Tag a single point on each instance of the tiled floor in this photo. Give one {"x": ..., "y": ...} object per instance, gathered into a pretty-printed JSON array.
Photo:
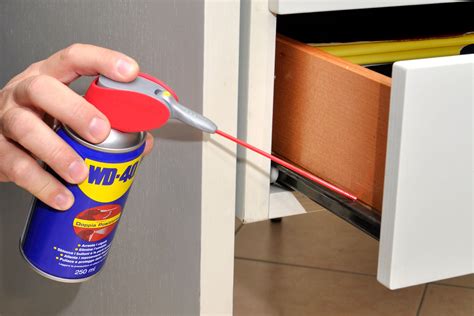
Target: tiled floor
[{"x": 316, "y": 264}]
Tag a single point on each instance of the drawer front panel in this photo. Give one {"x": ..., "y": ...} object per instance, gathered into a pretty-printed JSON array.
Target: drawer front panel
[
  {"x": 302, "y": 6},
  {"x": 428, "y": 216}
]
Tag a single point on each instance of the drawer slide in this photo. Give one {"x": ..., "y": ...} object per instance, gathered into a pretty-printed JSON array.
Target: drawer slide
[{"x": 361, "y": 216}]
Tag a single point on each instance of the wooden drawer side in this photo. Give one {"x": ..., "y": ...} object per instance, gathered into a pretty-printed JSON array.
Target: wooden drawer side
[{"x": 331, "y": 118}]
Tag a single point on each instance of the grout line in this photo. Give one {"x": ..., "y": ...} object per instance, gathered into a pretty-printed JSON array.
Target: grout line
[
  {"x": 238, "y": 229},
  {"x": 422, "y": 300},
  {"x": 304, "y": 266},
  {"x": 454, "y": 285}
]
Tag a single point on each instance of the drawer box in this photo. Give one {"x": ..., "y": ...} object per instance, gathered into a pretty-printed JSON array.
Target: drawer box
[
  {"x": 407, "y": 151},
  {"x": 331, "y": 117}
]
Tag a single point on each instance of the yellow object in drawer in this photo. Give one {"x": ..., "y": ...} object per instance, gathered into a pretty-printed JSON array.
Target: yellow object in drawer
[{"x": 391, "y": 51}]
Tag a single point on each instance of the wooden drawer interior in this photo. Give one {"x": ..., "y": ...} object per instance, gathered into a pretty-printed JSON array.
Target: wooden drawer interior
[{"x": 330, "y": 115}]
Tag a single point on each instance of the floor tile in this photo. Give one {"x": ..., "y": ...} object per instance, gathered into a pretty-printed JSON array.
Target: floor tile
[
  {"x": 318, "y": 239},
  {"x": 275, "y": 289},
  {"x": 441, "y": 300},
  {"x": 466, "y": 280}
]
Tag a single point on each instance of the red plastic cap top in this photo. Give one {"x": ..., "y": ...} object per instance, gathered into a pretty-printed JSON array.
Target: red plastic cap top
[{"x": 130, "y": 111}]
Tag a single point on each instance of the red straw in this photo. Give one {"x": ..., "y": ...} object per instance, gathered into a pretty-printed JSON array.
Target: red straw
[{"x": 289, "y": 166}]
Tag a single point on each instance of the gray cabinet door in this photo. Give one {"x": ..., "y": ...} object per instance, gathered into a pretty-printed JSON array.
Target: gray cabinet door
[{"x": 154, "y": 264}]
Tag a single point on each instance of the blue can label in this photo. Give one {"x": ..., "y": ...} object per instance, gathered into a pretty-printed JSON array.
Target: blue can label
[{"x": 74, "y": 244}]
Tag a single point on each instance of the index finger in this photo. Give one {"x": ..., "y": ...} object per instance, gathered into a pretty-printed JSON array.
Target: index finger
[
  {"x": 82, "y": 59},
  {"x": 59, "y": 101}
]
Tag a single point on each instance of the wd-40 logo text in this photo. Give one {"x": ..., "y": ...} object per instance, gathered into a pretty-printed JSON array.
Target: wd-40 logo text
[{"x": 107, "y": 182}]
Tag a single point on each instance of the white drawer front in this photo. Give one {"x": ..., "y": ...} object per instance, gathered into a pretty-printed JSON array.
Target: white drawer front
[
  {"x": 304, "y": 6},
  {"x": 427, "y": 221}
]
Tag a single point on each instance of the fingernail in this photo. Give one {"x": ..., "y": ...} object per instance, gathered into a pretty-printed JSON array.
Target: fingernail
[
  {"x": 64, "y": 201},
  {"x": 125, "y": 68},
  {"x": 77, "y": 171},
  {"x": 98, "y": 128}
]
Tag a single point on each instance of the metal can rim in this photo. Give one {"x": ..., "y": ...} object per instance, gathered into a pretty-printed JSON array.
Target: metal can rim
[{"x": 97, "y": 147}]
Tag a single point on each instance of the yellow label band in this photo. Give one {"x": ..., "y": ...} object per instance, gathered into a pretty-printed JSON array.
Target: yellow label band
[
  {"x": 84, "y": 223},
  {"x": 108, "y": 182}
]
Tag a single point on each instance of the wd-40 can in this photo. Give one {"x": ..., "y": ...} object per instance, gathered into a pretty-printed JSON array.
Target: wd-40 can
[{"x": 72, "y": 245}]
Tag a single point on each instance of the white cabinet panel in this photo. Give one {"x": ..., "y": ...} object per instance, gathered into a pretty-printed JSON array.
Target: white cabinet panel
[
  {"x": 427, "y": 215},
  {"x": 304, "y": 6},
  {"x": 256, "y": 73}
]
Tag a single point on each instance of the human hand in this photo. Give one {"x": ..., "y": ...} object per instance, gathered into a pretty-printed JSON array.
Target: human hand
[{"x": 42, "y": 89}]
